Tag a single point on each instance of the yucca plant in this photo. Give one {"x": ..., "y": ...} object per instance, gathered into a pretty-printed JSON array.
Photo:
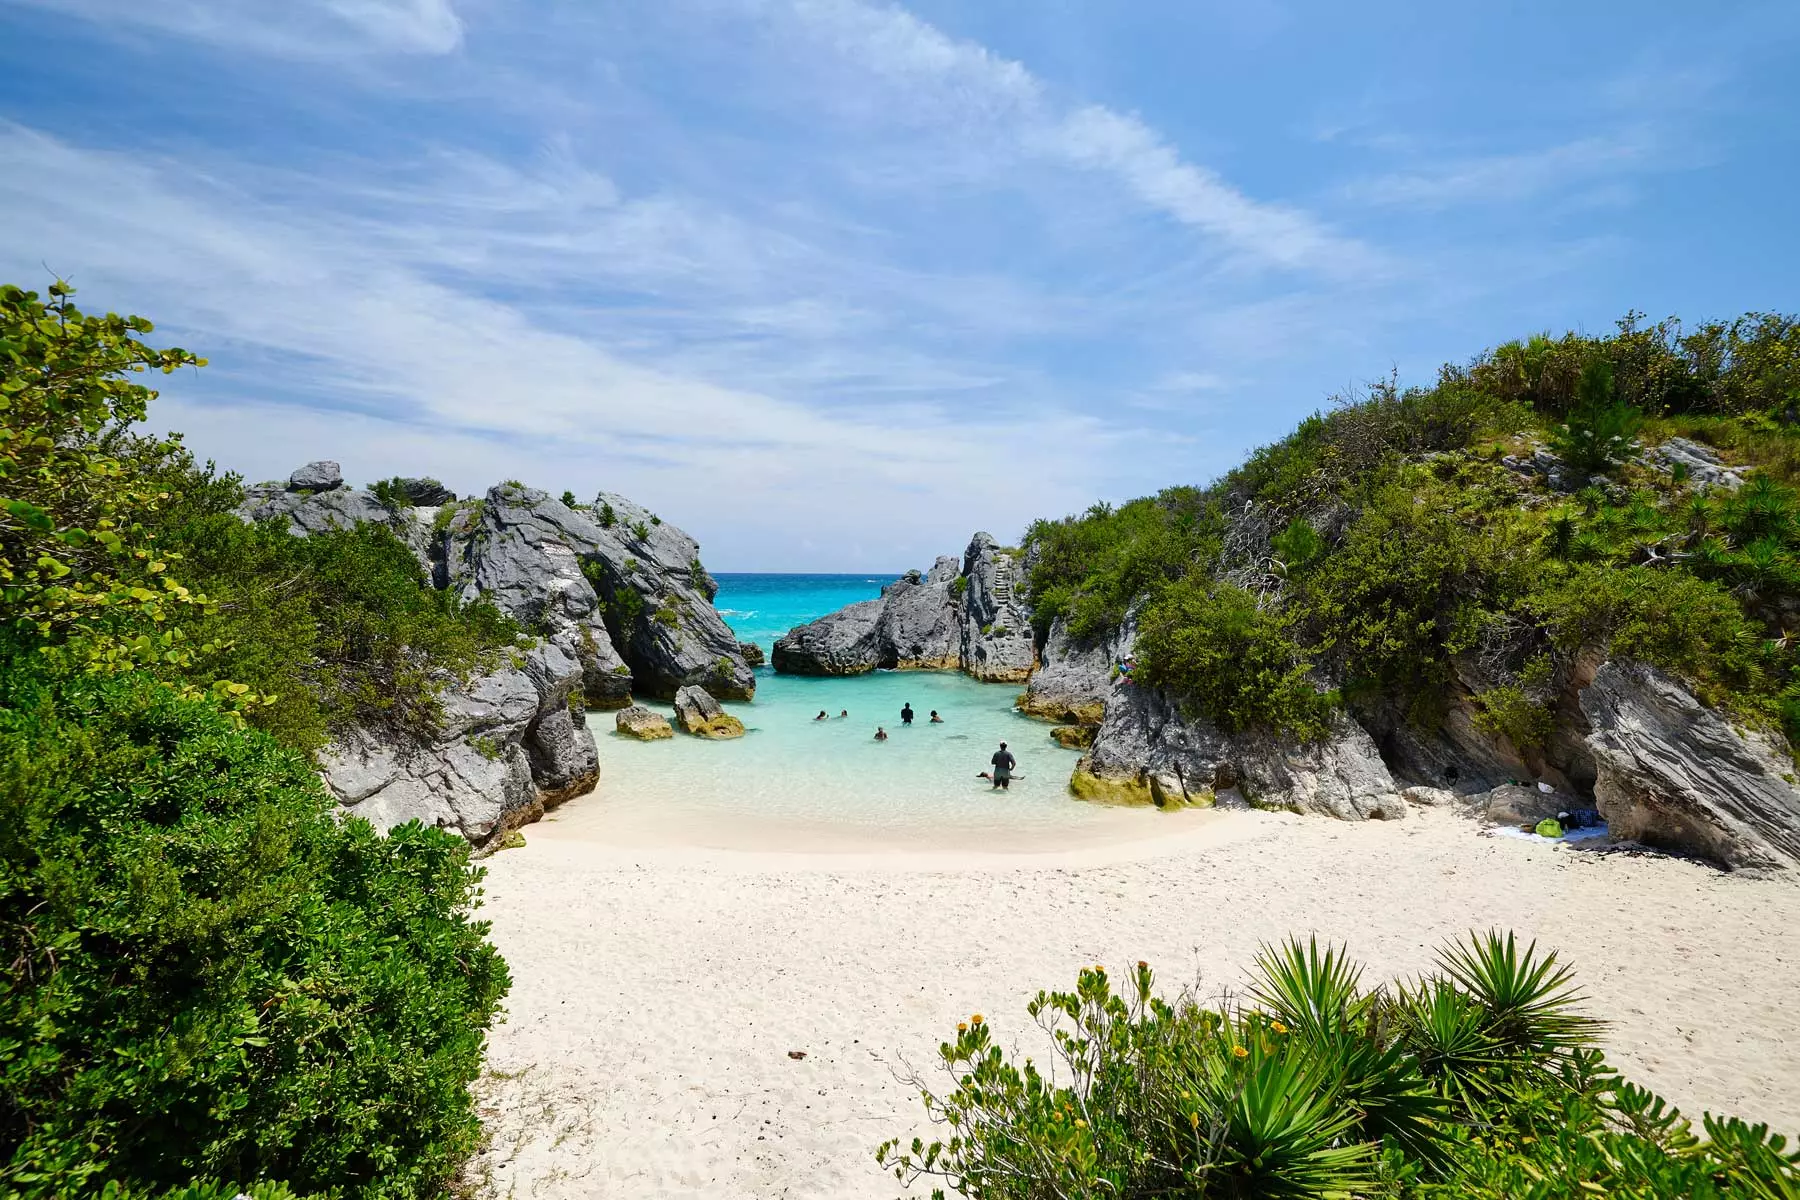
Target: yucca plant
[
  {"x": 1477, "y": 1082},
  {"x": 1529, "y": 1001}
]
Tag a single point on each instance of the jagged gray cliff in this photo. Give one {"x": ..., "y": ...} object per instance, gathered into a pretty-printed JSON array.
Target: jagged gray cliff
[
  {"x": 1662, "y": 768},
  {"x": 966, "y": 614},
  {"x": 617, "y": 597}
]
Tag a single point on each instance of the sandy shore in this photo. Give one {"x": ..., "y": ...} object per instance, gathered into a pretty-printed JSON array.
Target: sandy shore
[{"x": 658, "y": 990}]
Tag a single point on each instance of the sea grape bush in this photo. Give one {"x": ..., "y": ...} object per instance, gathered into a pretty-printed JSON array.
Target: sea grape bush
[
  {"x": 213, "y": 976},
  {"x": 213, "y": 984},
  {"x": 1479, "y": 1080}
]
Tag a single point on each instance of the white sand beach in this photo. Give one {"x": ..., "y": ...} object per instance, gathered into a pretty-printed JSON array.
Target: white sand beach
[{"x": 661, "y": 978}]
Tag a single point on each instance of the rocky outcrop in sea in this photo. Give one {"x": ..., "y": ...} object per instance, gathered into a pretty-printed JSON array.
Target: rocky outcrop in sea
[
  {"x": 617, "y": 597},
  {"x": 967, "y": 614}
]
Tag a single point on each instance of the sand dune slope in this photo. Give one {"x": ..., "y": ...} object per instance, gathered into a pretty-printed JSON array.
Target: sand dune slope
[{"x": 657, "y": 994}]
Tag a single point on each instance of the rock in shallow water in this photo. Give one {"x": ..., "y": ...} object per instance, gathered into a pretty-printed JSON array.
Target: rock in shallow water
[
  {"x": 701, "y": 715},
  {"x": 645, "y": 724}
]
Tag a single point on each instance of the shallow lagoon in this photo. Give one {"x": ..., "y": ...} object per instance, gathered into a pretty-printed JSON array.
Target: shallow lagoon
[{"x": 791, "y": 777}]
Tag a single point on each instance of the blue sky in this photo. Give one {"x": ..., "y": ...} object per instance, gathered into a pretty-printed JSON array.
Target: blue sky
[{"x": 832, "y": 283}]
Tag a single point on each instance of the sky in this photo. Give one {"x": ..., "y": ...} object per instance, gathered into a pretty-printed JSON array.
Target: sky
[{"x": 833, "y": 283}]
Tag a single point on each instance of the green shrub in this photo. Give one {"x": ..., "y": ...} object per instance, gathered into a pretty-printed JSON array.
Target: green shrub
[
  {"x": 213, "y": 976},
  {"x": 1683, "y": 624},
  {"x": 339, "y": 627},
  {"x": 608, "y": 518},
  {"x": 959, "y": 587},
  {"x": 1225, "y": 658},
  {"x": 568, "y": 499},
  {"x": 1477, "y": 1081},
  {"x": 640, "y": 531}
]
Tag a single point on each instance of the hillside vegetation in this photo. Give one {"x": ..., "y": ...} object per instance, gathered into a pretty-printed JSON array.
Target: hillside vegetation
[
  {"x": 211, "y": 978},
  {"x": 1353, "y": 561}
]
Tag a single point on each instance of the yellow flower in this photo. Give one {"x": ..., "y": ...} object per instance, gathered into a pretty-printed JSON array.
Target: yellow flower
[
  {"x": 1142, "y": 965},
  {"x": 1080, "y": 1124},
  {"x": 1194, "y": 1119},
  {"x": 1278, "y": 1027},
  {"x": 975, "y": 1020},
  {"x": 962, "y": 1027},
  {"x": 1240, "y": 1052}
]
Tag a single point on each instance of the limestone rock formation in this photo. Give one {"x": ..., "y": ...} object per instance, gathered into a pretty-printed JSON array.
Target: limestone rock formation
[
  {"x": 1520, "y": 805},
  {"x": 424, "y": 493},
  {"x": 997, "y": 639},
  {"x": 320, "y": 476},
  {"x": 1703, "y": 467},
  {"x": 845, "y": 642},
  {"x": 508, "y": 748},
  {"x": 523, "y": 550},
  {"x": 1148, "y": 752},
  {"x": 644, "y": 724},
  {"x": 701, "y": 715},
  {"x": 1675, "y": 774},
  {"x": 964, "y": 614},
  {"x": 752, "y": 654},
  {"x": 618, "y": 599},
  {"x": 1073, "y": 679}
]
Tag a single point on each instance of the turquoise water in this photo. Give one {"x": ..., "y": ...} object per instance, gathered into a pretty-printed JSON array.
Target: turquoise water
[{"x": 792, "y": 771}]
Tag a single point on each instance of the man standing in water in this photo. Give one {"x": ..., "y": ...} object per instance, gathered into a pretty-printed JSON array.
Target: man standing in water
[
  {"x": 1003, "y": 767},
  {"x": 906, "y": 714}
]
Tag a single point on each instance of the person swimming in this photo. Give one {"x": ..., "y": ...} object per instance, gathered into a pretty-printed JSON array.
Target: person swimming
[
  {"x": 880, "y": 734},
  {"x": 844, "y": 713},
  {"x": 935, "y": 719},
  {"x": 821, "y": 716},
  {"x": 906, "y": 714}
]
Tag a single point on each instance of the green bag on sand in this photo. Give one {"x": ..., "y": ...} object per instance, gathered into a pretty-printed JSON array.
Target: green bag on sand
[{"x": 1549, "y": 827}]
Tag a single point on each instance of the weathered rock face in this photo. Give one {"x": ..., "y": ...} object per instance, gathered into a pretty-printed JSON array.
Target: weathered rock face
[
  {"x": 658, "y": 603},
  {"x": 963, "y": 614},
  {"x": 1148, "y": 752},
  {"x": 752, "y": 654},
  {"x": 701, "y": 715},
  {"x": 918, "y": 627},
  {"x": 997, "y": 641},
  {"x": 320, "y": 476},
  {"x": 424, "y": 493},
  {"x": 1522, "y": 805},
  {"x": 1675, "y": 774},
  {"x": 507, "y": 749},
  {"x": 523, "y": 550},
  {"x": 617, "y": 598},
  {"x": 1073, "y": 680},
  {"x": 645, "y": 724},
  {"x": 315, "y": 512},
  {"x": 845, "y": 642}
]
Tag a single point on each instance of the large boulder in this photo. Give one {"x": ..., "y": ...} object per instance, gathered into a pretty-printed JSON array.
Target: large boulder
[
  {"x": 1676, "y": 774},
  {"x": 506, "y": 749},
  {"x": 426, "y": 492},
  {"x": 315, "y": 512},
  {"x": 321, "y": 476},
  {"x": 1148, "y": 752},
  {"x": 701, "y": 715},
  {"x": 846, "y": 642},
  {"x": 644, "y": 724},
  {"x": 918, "y": 627}
]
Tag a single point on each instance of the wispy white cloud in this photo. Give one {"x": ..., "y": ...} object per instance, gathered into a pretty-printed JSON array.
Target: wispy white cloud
[
  {"x": 963, "y": 87},
  {"x": 326, "y": 343},
  {"x": 289, "y": 28},
  {"x": 1509, "y": 178}
]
